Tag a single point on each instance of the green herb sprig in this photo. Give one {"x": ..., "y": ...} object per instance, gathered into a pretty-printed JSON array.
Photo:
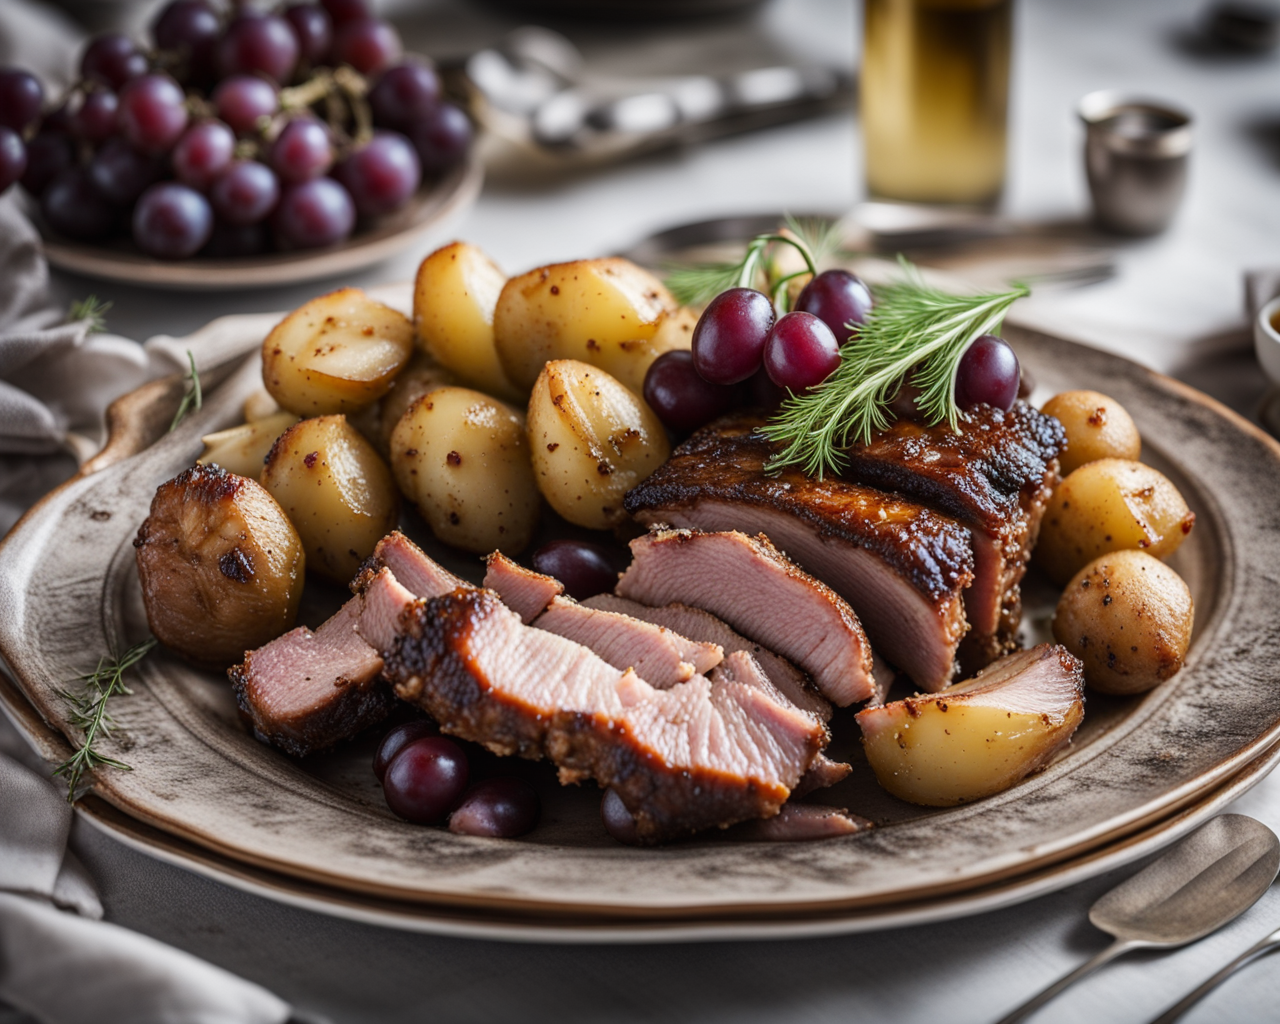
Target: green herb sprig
[
  {"x": 192, "y": 395},
  {"x": 91, "y": 309},
  {"x": 87, "y": 711}
]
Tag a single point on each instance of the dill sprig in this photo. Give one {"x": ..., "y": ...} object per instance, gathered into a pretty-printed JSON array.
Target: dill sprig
[
  {"x": 91, "y": 309},
  {"x": 192, "y": 396},
  {"x": 87, "y": 711},
  {"x": 914, "y": 331}
]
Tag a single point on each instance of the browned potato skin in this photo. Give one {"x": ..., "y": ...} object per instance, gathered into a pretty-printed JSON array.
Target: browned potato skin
[
  {"x": 221, "y": 566},
  {"x": 1097, "y": 428},
  {"x": 1128, "y": 617}
]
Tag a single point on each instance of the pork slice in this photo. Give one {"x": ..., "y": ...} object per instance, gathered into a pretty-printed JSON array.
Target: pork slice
[
  {"x": 759, "y": 591},
  {"x": 412, "y": 566},
  {"x": 797, "y": 823},
  {"x": 525, "y": 592},
  {"x": 702, "y": 625},
  {"x": 682, "y": 759}
]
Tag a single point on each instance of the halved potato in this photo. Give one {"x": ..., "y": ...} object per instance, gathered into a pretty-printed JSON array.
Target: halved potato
[
  {"x": 243, "y": 450},
  {"x": 337, "y": 354},
  {"x": 453, "y": 301},
  {"x": 605, "y": 312},
  {"x": 592, "y": 440}
]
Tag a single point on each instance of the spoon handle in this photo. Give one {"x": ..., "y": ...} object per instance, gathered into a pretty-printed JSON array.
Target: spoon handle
[
  {"x": 1269, "y": 943},
  {"x": 1088, "y": 967}
]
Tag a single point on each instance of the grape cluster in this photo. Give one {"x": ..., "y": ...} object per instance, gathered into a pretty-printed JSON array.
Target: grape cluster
[{"x": 234, "y": 135}]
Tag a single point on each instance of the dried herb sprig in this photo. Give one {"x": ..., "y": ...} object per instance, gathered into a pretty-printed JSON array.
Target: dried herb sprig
[
  {"x": 87, "y": 711},
  {"x": 192, "y": 396}
]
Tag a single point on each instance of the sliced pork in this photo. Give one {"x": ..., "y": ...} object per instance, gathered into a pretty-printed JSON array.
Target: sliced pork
[
  {"x": 525, "y": 592},
  {"x": 903, "y": 567},
  {"x": 798, "y": 823}
]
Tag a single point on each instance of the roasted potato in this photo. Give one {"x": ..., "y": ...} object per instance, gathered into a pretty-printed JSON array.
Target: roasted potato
[
  {"x": 242, "y": 450},
  {"x": 336, "y": 490},
  {"x": 260, "y": 405},
  {"x": 1110, "y": 505},
  {"x": 463, "y": 459},
  {"x": 337, "y": 354},
  {"x": 221, "y": 566},
  {"x": 1097, "y": 428},
  {"x": 592, "y": 441},
  {"x": 420, "y": 376},
  {"x": 453, "y": 301},
  {"x": 1128, "y": 617},
  {"x": 605, "y": 312}
]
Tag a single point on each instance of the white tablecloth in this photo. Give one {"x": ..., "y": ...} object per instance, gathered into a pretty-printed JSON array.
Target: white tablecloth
[{"x": 1176, "y": 304}]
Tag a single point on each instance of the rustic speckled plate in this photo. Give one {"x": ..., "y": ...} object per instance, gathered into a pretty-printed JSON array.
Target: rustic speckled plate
[{"x": 203, "y": 792}]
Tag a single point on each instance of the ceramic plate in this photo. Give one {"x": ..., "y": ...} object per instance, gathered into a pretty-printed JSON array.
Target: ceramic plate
[{"x": 68, "y": 592}]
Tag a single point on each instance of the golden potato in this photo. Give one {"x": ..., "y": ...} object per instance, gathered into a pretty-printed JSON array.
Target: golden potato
[
  {"x": 453, "y": 301},
  {"x": 220, "y": 564},
  {"x": 336, "y": 490},
  {"x": 337, "y": 354},
  {"x": 592, "y": 441},
  {"x": 242, "y": 450},
  {"x": 259, "y": 405},
  {"x": 605, "y": 312},
  {"x": 1110, "y": 505},
  {"x": 1097, "y": 428},
  {"x": 420, "y": 376},
  {"x": 1128, "y": 617},
  {"x": 463, "y": 459}
]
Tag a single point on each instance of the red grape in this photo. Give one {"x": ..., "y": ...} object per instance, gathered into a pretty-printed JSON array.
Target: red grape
[
  {"x": 242, "y": 101},
  {"x": 905, "y": 404},
  {"x": 618, "y": 821},
  {"x": 121, "y": 173},
  {"x": 800, "y": 352},
  {"x": 261, "y": 43},
  {"x": 73, "y": 207},
  {"x": 368, "y": 45},
  {"x": 988, "y": 372},
  {"x": 425, "y": 780},
  {"x": 172, "y": 221},
  {"x": 728, "y": 341},
  {"x": 13, "y": 157},
  {"x": 381, "y": 175},
  {"x": 762, "y": 393},
  {"x": 203, "y": 153},
  {"x": 583, "y": 567},
  {"x": 342, "y": 11},
  {"x": 113, "y": 59},
  {"x": 683, "y": 400},
  {"x": 500, "y": 808},
  {"x": 441, "y": 137},
  {"x": 95, "y": 119},
  {"x": 314, "y": 29},
  {"x": 232, "y": 241},
  {"x": 837, "y": 298},
  {"x": 48, "y": 155},
  {"x": 153, "y": 113},
  {"x": 20, "y": 99},
  {"x": 189, "y": 28},
  {"x": 245, "y": 193},
  {"x": 404, "y": 94},
  {"x": 397, "y": 739},
  {"x": 302, "y": 151},
  {"x": 313, "y": 214}
]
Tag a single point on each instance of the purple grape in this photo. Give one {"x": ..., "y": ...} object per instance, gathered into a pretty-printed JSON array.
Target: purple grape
[
  {"x": 618, "y": 821},
  {"x": 426, "y": 779},
  {"x": 313, "y": 214},
  {"x": 397, "y": 739},
  {"x": 190, "y": 28},
  {"x": 314, "y": 30},
  {"x": 800, "y": 352},
  {"x": 242, "y": 101},
  {"x": 343, "y": 11},
  {"x": 58, "y": 120},
  {"x": 121, "y": 173},
  {"x": 73, "y": 207},
  {"x": 302, "y": 151},
  {"x": 583, "y": 567},
  {"x": 759, "y": 392},
  {"x": 368, "y": 45},
  {"x": 172, "y": 221},
  {"x": 235, "y": 241},
  {"x": 203, "y": 153},
  {"x": 258, "y": 43},
  {"x": 112, "y": 59},
  {"x": 500, "y": 808},
  {"x": 404, "y": 94},
  {"x": 245, "y": 193},
  {"x": 13, "y": 157},
  {"x": 441, "y": 136},
  {"x": 95, "y": 120},
  {"x": 988, "y": 372},
  {"x": 728, "y": 341},
  {"x": 381, "y": 175},
  {"x": 153, "y": 113},
  {"x": 905, "y": 404},
  {"x": 20, "y": 99},
  {"x": 48, "y": 155},
  {"x": 683, "y": 400},
  {"x": 837, "y": 298}
]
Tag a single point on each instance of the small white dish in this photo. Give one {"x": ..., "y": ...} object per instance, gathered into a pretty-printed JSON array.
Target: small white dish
[{"x": 1266, "y": 339}]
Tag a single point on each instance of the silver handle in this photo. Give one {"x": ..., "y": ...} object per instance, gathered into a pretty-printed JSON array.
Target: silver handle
[
  {"x": 1114, "y": 950},
  {"x": 1269, "y": 943}
]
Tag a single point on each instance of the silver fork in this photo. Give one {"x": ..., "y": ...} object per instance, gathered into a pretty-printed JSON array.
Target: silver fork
[{"x": 1266, "y": 945}]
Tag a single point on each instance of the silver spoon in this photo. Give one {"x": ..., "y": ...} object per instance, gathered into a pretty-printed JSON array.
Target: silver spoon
[
  {"x": 1210, "y": 877},
  {"x": 1271, "y": 942}
]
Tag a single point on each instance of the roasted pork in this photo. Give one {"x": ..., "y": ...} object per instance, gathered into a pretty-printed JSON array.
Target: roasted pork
[{"x": 527, "y": 593}]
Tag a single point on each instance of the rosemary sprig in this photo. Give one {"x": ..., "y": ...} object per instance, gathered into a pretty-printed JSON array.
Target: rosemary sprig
[
  {"x": 91, "y": 309},
  {"x": 88, "y": 713},
  {"x": 914, "y": 330},
  {"x": 192, "y": 397}
]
